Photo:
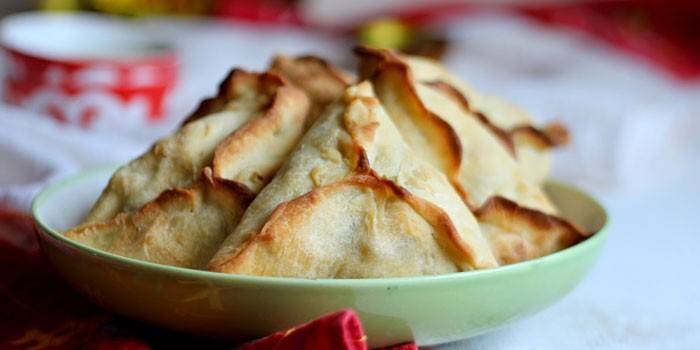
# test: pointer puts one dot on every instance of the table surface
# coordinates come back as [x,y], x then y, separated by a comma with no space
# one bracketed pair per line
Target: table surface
[644,292]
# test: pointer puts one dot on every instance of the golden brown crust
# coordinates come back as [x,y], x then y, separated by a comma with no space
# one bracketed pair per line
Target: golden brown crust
[191,189]
[279,63]
[258,112]
[449,90]
[558,133]
[361,131]
[517,233]
[285,216]
[497,117]
[390,75]
[154,206]
[384,68]
[285,113]
[237,82]
[215,103]
[372,59]
[450,238]
[378,192]
[321,81]
[175,228]
[553,135]
[235,188]
[498,205]
[362,163]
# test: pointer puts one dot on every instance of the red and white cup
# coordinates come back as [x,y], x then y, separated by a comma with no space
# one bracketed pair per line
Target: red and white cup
[87,70]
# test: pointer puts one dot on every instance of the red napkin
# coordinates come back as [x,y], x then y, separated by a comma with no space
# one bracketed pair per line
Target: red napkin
[340,330]
[38,311]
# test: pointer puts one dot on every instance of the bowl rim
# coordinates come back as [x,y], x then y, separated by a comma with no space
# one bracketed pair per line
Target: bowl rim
[13,28]
[520,267]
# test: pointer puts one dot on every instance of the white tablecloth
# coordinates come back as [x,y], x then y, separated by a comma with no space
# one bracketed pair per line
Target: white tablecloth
[635,146]
[642,294]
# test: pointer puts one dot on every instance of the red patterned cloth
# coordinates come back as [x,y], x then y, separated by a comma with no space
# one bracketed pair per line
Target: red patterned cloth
[38,311]
[340,330]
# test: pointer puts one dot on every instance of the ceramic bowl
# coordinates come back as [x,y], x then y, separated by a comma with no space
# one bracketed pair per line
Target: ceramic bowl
[429,310]
[92,71]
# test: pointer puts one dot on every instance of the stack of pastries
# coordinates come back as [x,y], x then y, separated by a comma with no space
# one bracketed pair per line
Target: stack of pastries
[306,171]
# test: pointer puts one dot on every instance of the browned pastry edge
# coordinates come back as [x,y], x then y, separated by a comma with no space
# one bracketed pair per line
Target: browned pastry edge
[554,134]
[364,176]
[232,86]
[384,69]
[374,62]
[503,136]
[372,59]
[334,72]
[322,82]
[295,208]
[234,188]
[241,191]
[283,98]
[498,205]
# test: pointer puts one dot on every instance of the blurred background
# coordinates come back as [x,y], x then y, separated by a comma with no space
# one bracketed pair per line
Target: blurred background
[89,82]
[622,74]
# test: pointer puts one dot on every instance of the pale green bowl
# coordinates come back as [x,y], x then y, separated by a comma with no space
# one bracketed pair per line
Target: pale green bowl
[429,310]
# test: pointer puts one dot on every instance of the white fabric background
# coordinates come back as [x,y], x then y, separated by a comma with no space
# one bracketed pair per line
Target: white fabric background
[635,146]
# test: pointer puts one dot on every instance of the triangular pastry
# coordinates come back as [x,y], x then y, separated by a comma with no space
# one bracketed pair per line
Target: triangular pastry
[516,233]
[298,173]
[185,223]
[323,82]
[352,201]
[479,158]
[181,227]
[478,161]
[514,126]
[250,113]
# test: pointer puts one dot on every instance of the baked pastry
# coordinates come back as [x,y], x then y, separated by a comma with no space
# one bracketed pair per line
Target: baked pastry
[478,161]
[479,158]
[353,202]
[181,227]
[175,204]
[513,125]
[516,233]
[323,82]
[232,132]
[301,172]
